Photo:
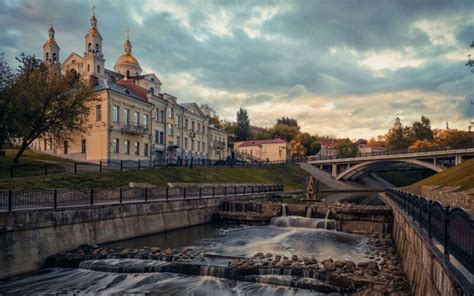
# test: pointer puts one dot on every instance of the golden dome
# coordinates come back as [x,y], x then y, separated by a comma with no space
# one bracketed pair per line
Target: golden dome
[127,59]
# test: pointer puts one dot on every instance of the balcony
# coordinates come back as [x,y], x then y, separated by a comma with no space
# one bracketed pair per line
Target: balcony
[218,145]
[134,130]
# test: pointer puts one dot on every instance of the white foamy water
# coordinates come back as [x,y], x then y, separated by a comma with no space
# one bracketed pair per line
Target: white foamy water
[86,282]
[244,241]
[302,222]
[287,241]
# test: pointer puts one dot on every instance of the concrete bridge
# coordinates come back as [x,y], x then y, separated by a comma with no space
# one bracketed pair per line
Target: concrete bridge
[351,168]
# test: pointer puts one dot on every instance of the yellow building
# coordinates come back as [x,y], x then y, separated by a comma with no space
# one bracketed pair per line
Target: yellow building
[133,120]
[262,150]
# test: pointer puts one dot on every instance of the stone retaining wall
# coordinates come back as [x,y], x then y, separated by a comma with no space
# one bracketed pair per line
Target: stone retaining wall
[425,272]
[27,238]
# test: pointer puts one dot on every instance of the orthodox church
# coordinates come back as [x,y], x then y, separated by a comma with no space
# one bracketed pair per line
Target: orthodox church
[133,120]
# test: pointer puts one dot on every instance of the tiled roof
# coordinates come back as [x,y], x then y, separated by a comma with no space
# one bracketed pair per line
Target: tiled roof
[105,84]
[131,86]
[261,142]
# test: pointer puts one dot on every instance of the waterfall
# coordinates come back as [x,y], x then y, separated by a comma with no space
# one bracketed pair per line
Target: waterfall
[283,209]
[302,222]
[326,220]
[124,265]
[309,212]
[215,271]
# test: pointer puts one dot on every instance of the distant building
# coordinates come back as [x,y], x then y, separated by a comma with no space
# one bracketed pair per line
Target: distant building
[328,148]
[365,148]
[262,150]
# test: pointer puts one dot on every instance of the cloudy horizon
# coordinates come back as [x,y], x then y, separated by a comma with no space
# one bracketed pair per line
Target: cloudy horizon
[341,68]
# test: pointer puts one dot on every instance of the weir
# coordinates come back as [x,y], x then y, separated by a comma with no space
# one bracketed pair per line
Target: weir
[29,237]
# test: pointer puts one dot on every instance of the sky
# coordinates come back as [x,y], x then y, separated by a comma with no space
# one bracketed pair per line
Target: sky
[343,68]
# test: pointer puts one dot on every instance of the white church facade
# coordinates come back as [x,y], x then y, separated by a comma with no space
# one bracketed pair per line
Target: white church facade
[133,120]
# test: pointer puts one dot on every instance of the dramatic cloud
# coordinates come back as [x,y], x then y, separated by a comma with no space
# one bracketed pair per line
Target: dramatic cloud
[341,67]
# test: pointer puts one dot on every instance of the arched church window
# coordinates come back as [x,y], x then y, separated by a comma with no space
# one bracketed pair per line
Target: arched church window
[128,73]
[136,73]
[47,56]
[97,48]
[89,47]
[54,57]
[98,69]
[152,90]
[88,68]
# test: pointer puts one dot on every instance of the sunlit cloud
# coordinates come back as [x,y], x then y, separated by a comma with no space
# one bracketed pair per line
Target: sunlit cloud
[341,68]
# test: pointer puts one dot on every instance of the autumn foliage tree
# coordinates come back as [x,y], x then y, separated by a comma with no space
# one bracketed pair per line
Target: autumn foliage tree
[47,104]
[451,138]
[346,148]
[6,79]
[297,149]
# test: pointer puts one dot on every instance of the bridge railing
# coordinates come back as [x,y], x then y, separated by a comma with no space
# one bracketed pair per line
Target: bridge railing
[33,199]
[453,228]
[391,152]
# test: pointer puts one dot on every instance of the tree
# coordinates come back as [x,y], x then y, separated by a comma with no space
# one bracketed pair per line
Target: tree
[261,135]
[214,120]
[242,130]
[452,138]
[361,141]
[421,130]
[285,132]
[398,138]
[48,104]
[420,144]
[287,121]
[297,149]
[229,127]
[310,143]
[380,142]
[345,148]
[6,121]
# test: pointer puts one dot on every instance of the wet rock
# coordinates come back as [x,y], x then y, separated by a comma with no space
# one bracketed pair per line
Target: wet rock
[329,266]
[294,258]
[339,263]
[268,255]
[372,265]
[350,265]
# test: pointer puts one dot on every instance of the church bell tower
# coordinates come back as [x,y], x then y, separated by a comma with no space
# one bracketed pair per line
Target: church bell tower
[51,49]
[93,57]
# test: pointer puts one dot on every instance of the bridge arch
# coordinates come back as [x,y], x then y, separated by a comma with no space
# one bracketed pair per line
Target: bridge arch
[362,167]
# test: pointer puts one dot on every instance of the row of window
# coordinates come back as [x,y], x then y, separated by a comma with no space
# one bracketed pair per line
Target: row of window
[126,117]
[66,146]
[126,147]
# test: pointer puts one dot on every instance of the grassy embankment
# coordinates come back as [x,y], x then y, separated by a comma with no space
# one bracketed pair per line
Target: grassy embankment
[461,175]
[291,176]
[31,163]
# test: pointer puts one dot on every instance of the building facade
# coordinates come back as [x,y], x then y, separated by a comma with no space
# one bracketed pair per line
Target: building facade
[132,119]
[262,150]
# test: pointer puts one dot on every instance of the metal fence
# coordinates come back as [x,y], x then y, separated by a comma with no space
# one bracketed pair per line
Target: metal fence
[74,168]
[32,199]
[393,152]
[453,228]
